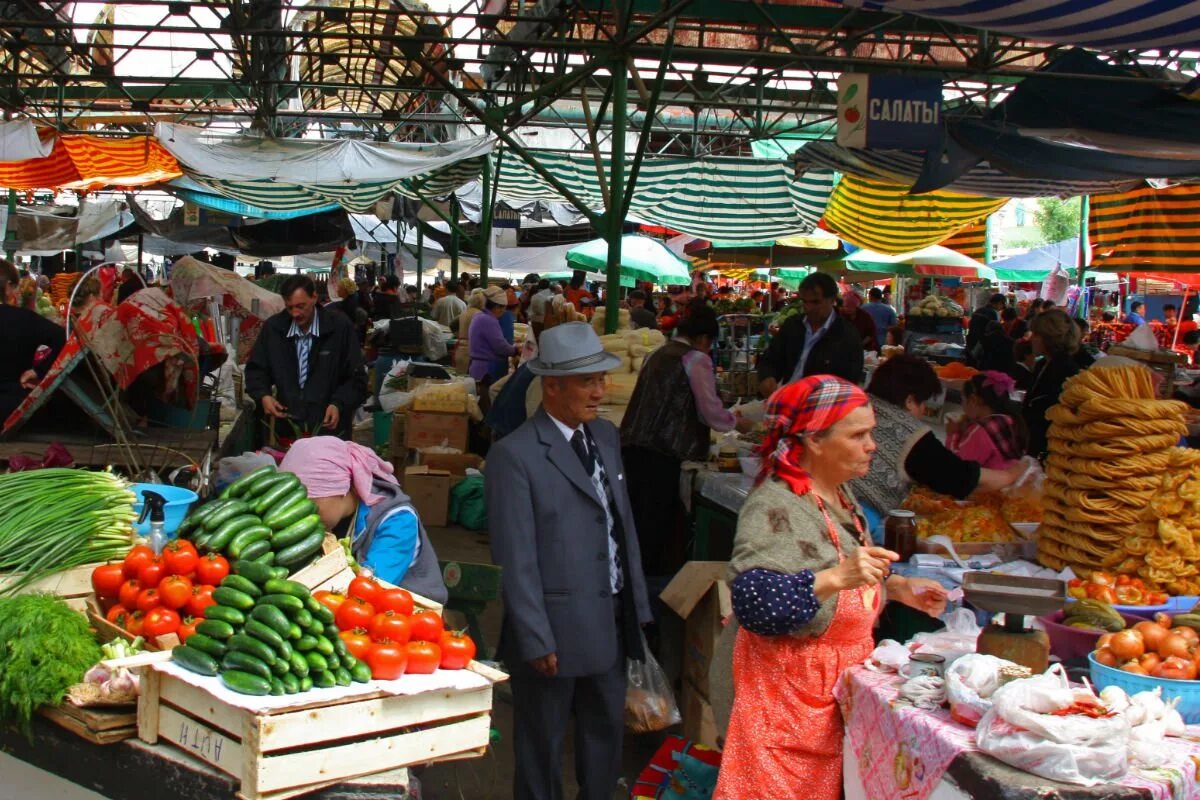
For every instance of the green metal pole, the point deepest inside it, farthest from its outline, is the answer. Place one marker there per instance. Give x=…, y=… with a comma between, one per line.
x=1085, y=205
x=485, y=223
x=397, y=264
x=420, y=255
x=454, y=238
x=987, y=239
x=10, y=233
x=615, y=215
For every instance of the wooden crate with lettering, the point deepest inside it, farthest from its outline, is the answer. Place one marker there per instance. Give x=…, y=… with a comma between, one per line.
x=307, y=746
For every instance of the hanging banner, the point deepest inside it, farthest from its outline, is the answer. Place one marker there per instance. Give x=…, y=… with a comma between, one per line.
x=888, y=112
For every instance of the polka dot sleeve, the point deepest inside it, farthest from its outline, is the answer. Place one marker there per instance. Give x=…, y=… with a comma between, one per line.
x=773, y=603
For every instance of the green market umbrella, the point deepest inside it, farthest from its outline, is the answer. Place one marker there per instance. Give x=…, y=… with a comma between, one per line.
x=642, y=259
x=934, y=261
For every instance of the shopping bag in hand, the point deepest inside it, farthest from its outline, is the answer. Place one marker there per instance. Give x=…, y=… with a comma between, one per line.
x=649, y=702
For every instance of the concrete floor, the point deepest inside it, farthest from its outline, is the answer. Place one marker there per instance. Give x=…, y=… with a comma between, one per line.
x=490, y=777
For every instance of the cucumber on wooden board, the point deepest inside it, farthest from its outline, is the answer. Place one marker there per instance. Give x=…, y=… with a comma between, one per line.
x=245, y=683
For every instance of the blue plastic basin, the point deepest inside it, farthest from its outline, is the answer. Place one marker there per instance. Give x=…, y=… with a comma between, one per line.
x=178, y=502
x=1188, y=692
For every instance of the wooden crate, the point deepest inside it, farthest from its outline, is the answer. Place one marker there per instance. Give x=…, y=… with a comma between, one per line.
x=332, y=561
x=339, y=581
x=73, y=585
x=106, y=631
x=332, y=572
x=301, y=748
x=98, y=725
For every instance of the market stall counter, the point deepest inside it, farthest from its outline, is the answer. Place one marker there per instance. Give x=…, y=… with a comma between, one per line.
x=893, y=749
x=715, y=498
x=58, y=763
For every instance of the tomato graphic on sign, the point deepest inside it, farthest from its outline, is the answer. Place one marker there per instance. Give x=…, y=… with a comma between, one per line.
x=852, y=119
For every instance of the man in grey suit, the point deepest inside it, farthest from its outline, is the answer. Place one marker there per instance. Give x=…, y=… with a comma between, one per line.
x=574, y=597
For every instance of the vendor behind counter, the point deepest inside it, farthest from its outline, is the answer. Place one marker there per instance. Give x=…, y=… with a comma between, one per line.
x=356, y=493
x=674, y=407
x=908, y=451
x=22, y=367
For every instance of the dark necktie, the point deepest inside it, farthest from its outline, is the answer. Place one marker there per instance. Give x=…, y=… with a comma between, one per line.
x=599, y=480
x=579, y=445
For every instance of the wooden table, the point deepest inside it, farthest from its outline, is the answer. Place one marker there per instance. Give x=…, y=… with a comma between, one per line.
x=59, y=764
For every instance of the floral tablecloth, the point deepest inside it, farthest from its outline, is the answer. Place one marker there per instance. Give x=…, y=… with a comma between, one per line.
x=903, y=752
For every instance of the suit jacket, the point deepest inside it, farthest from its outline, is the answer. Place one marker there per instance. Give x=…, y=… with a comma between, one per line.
x=335, y=371
x=839, y=352
x=550, y=534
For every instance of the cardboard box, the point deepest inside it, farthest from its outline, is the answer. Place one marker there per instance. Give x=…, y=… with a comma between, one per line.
x=699, y=594
x=430, y=493
x=699, y=724
x=436, y=429
x=454, y=463
x=397, y=450
x=453, y=401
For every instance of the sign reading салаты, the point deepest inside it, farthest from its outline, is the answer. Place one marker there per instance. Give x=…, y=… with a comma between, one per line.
x=888, y=111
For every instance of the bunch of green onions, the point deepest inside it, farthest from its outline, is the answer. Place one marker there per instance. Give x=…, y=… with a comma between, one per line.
x=55, y=519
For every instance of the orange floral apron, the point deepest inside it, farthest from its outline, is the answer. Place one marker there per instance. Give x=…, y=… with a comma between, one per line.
x=785, y=732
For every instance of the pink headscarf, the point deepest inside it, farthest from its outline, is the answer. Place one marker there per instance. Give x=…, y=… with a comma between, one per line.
x=329, y=466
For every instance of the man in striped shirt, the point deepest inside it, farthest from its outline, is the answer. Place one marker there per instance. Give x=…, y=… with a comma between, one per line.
x=306, y=368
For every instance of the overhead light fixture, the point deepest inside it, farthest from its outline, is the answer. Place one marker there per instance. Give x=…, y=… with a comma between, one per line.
x=330, y=59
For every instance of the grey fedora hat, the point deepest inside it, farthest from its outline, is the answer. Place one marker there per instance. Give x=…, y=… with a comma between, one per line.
x=572, y=348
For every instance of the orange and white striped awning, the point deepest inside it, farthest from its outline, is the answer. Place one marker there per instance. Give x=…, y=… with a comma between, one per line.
x=85, y=162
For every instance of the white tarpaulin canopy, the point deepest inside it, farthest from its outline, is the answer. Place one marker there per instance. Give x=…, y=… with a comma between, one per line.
x=19, y=141
x=42, y=233
x=310, y=162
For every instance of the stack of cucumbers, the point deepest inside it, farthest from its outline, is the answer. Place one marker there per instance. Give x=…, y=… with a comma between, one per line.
x=268, y=635
x=263, y=516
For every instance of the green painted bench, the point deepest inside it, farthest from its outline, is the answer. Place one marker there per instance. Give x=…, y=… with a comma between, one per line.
x=471, y=588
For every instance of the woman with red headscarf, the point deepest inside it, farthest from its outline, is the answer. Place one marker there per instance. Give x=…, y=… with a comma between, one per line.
x=806, y=585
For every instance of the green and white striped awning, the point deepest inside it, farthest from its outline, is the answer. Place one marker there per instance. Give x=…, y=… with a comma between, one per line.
x=357, y=197
x=726, y=198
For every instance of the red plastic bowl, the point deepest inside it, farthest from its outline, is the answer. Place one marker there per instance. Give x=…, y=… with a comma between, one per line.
x=1074, y=644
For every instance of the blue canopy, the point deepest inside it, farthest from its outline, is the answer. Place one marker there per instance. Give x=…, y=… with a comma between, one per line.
x=1075, y=129
x=1038, y=262
x=1104, y=24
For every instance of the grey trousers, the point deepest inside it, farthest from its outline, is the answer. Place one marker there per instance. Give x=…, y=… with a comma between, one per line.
x=542, y=709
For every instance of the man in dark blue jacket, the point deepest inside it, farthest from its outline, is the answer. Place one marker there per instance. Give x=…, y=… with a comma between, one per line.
x=306, y=368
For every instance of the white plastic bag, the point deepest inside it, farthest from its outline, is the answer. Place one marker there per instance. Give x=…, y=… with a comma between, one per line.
x=233, y=467
x=956, y=639
x=1020, y=730
x=970, y=682
x=888, y=656
x=1055, y=285
x=649, y=702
